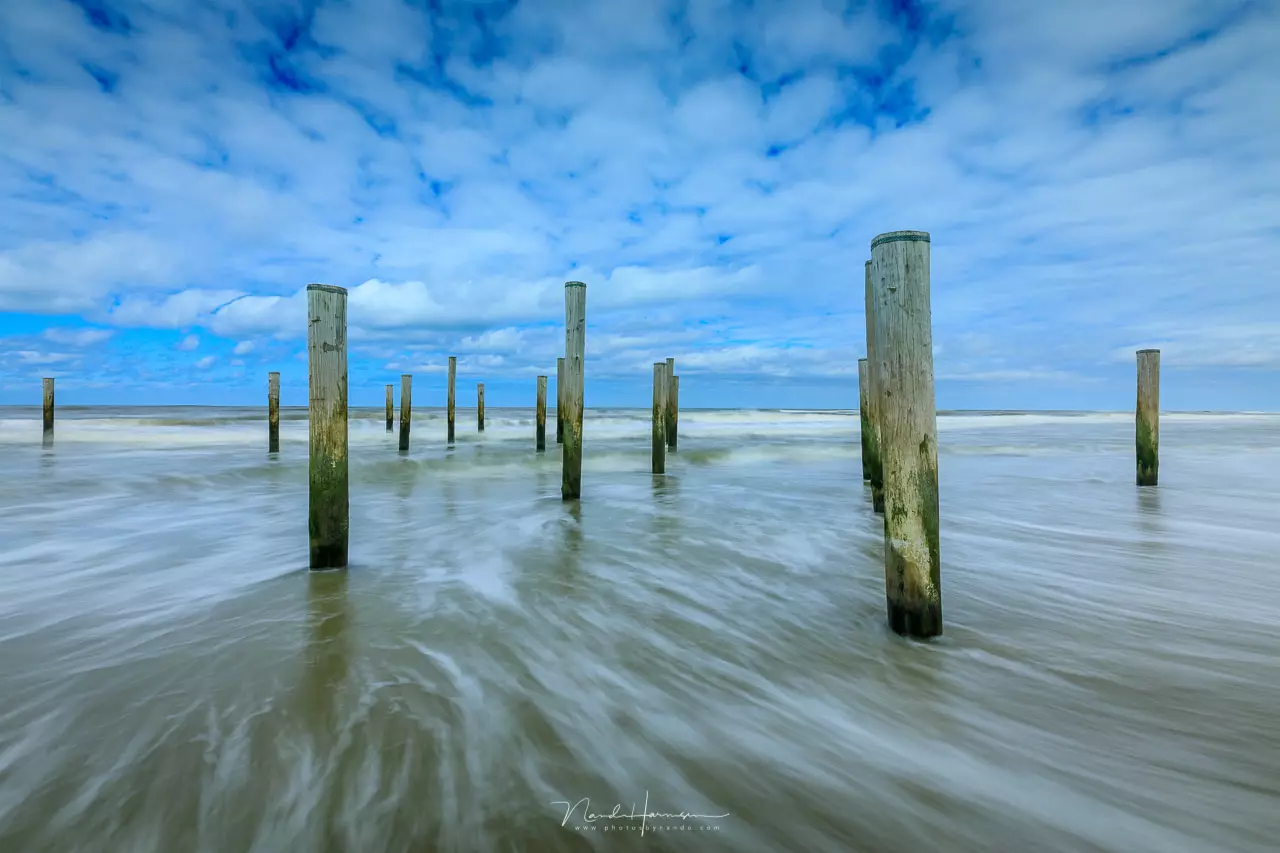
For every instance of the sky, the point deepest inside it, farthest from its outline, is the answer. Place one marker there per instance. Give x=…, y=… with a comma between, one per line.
x=1097, y=177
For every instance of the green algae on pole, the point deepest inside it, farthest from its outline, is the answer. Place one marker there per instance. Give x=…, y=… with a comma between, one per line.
x=670, y=426
x=872, y=447
x=660, y=386
x=480, y=405
x=1148, y=417
x=864, y=419
x=406, y=409
x=391, y=407
x=575, y=348
x=673, y=406
x=453, y=376
x=48, y=409
x=559, y=401
x=273, y=412
x=329, y=504
x=540, y=429
x=905, y=409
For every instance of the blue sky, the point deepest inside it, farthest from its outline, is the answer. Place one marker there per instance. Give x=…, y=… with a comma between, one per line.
x=1096, y=176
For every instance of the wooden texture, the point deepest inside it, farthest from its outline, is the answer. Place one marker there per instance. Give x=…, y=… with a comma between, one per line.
x=864, y=419
x=660, y=386
x=273, y=412
x=453, y=384
x=540, y=425
x=575, y=349
x=327, y=416
x=406, y=409
x=673, y=406
x=47, y=388
x=1148, y=417
x=480, y=406
x=670, y=425
x=391, y=407
x=559, y=401
x=908, y=431
x=873, y=400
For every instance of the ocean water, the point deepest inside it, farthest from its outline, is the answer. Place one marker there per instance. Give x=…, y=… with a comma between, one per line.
x=707, y=648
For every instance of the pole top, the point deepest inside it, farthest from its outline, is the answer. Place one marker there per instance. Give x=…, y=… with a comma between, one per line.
x=575, y=284
x=273, y=373
x=453, y=358
x=1141, y=351
x=862, y=361
x=406, y=375
x=328, y=288
x=900, y=237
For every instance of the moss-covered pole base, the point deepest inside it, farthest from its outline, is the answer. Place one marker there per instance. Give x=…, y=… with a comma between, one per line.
x=540, y=421
x=47, y=387
x=670, y=426
x=327, y=415
x=406, y=409
x=872, y=447
x=480, y=406
x=575, y=350
x=273, y=412
x=559, y=401
x=864, y=419
x=391, y=407
x=453, y=382
x=1148, y=417
x=908, y=431
x=660, y=386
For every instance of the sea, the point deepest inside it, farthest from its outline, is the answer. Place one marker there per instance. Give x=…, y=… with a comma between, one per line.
x=693, y=661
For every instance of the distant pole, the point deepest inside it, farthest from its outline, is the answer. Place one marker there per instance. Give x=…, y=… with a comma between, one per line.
x=480, y=405
x=273, y=412
x=327, y=415
x=669, y=426
x=908, y=431
x=575, y=349
x=406, y=409
x=559, y=401
x=540, y=431
x=872, y=435
x=864, y=417
x=660, y=386
x=391, y=407
x=453, y=376
x=1148, y=416
x=673, y=406
x=48, y=409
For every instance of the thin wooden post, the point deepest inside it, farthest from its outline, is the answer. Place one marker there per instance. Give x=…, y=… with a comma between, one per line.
x=660, y=386
x=273, y=412
x=480, y=405
x=864, y=417
x=47, y=388
x=540, y=430
x=327, y=415
x=575, y=349
x=1148, y=417
x=453, y=376
x=908, y=431
x=406, y=409
x=669, y=425
x=559, y=401
x=873, y=400
x=673, y=406
x=391, y=407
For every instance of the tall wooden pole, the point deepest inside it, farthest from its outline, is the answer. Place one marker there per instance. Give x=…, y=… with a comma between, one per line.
x=327, y=414
x=47, y=388
x=908, y=431
x=480, y=405
x=1148, y=417
x=660, y=385
x=872, y=446
x=273, y=412
x=864, y=417
x=559, y=401
x=540, y=428
x=453, y=377
x=673, y=406
x=391, y=407
x=669, y=404
x=575, y=348
x=406, y=409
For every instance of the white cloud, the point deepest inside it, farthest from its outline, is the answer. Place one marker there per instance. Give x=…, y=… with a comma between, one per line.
x=189, y=343
x=243, y=348
x=77, y=337
x=206, y=362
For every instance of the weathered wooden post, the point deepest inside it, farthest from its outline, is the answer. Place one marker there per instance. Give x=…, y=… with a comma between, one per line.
x=480, y=405
x=575, y=348
x=406, y=409
x=673, y=406
x=391, y=407
x=864, y=418
x=273, y=412
x=670, y=425
x=660, y=385
x=872, y=436
x=48, y=408
x=908, y=431
x=1148, y=416
x=559, y=401
x=540, y=430
x=453, y=375
x=327, y=415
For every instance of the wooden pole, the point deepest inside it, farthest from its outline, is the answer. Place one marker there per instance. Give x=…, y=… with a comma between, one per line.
x=908, y=431
x=273, y=412
x=575, y=349
x=540, y=431
x=873, y=400
x=480, y=405
x=1148, y=417
x=391, y=407
x=453, y=376
x=327, y=414
x=864, y=417
x=673, y=406
x=406, y=409
x=669, y=426
x=559, y=401
x=48, y=408
x=660, y=386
